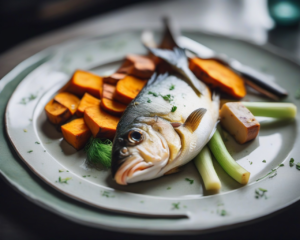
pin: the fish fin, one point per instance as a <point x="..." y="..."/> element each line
<point x="155" y="78"/>
<point x="194" y="119"/>
<point x="173" y="170"/>
<point x="178" y="60"/>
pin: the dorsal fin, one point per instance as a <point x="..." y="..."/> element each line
<point x="178" y="61"/>
<point x="194" y="119"/>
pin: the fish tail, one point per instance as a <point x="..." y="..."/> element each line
<point x="178" y="60"/>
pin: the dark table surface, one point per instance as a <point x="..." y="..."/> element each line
<point x="21" y="219"/>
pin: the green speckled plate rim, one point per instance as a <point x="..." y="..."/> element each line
<point x="13" y="170"/>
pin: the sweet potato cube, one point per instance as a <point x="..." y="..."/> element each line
<point x="68" y="100"/>
<point x="112" y="107"/>
<point x="219" y="76"/>
<point x="76" y="133"/>
<point x="108" y="91"/>
<point x="86" y="101"/>
<point x="114" y="78"/>
<point x="128" y="88"/>
<point x="82" y="82"/>
<point x="239" y="122"/>
<point x="101" y="123"/>
<point x="57" y="113"/>
<point x="143" y="67"/>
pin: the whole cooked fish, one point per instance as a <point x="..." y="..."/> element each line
<point x="166" y="125"/>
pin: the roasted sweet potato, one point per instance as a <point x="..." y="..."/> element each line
<point x="219" y="76"/>
<point x="101" y="123"/>
<point x="82" y="82"/>
<point x="57" y="113"/>
<point x="112" y="107"/>
<point x="108" y="91"/>
<point x="128" y="88"/>
<point x="86" y="101"/>
<point x="68" y="100"/>
<point x="114" y="78"/>
<point x="143" y="67"/>
<point x="76" y="133"/>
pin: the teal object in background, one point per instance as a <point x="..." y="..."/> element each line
<point x="285" y="12"/>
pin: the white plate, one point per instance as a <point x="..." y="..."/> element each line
<point x="51" y="157"/>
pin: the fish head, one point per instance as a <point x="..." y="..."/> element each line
<point x="143" y="149"/>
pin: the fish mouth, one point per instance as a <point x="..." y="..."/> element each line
<point x="129" y="168"/>
<point x="135" y="168"/>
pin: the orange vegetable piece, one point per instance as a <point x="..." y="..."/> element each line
<point x="108" y="91"/>
<point x="112" y="106"/>
<point x="138" y="66"/>
<point x="56" y="112"/>
<point x="128" y="88"/>
<point x="82" y="82"/>
<point x="86" y="101"/>
<point x="114" y="78"/>
<point x="101" y="123"/>
<point x="68" y="100"/>
<point x="76" y="133"/>
<point x="217" y="75"/>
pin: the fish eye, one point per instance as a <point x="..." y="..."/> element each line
<point x="135" y="136"/>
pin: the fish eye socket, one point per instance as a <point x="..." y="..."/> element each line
<point x="135" y="136"/>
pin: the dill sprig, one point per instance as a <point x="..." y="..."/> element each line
<point x="99" y="151"/>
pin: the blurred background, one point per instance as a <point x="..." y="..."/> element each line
<point x="273" y="21"/>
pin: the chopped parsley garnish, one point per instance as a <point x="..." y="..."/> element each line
<point x="23" y="101"/>
<point x="63" y="180"/>
<point x="25" y="130"/>
<point x="32" y="97"/>
<point x="149" y="100"/>
<point x="172" y="87"/>
<point x="141" y="201"/>
<point x="298" y="166"/>
<point x="260" y="193"/>
<point x="264" y="161"/>
<point x="292" y="162"/>
<point x="175" y="205"/>
<point x="37" y="143"/>
<point x="167" y="97"/>
<point x="281" y="165"/>
<point x="153" y="93"/>
<point x="250" y="162"/>
<point x="223" y="212"/>
<point x="168" y="188"/>
<point x="30" y="151"/>
<point x="107" y="194"/>
<point x="189" y="180"/>
<point x="60" y="170"/>
<point x="174" y="108"/>
<point x="273" y="172"/>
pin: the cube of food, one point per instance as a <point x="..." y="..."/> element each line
<point x="112" y="107"/>
<point x="68" y="100"/>
<point x="101" y="123"/>
<point x="57" y="113"/>
<point x="82" y="82"/>
<point x="114" y="78"/>
<point x="128" y="88"/>
<point x="108" y="103"/>
<point x="76" y="133"/>
<point x="143" y="67"/>
<point x="217" y="75"/>
<point x="239" y="122"/>
<point x="86" y="101"/>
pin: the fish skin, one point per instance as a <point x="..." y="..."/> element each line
<point x="186" y="99"/>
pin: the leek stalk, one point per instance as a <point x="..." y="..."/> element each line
<point x="223" y="157"/>
<point x="274" y="110"/>
<point x="204" y="164"/>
